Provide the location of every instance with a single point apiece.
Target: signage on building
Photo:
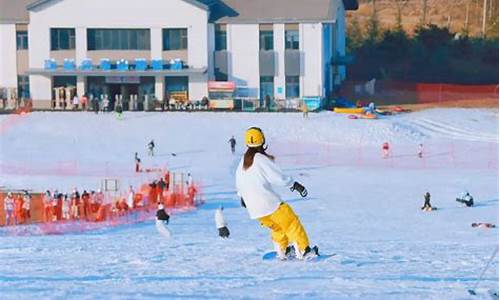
(123, 79)
(221, 85)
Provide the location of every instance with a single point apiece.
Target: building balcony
(122, 67)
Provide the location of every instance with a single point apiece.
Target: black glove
(299, 188)
(243, 203)
(224, 232)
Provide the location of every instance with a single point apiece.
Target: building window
(23, 87)
(22, 40)
(62, 39)
(266, 39)
(292, 87)
(292, 39)
(175, 39)
(220, 37)
(266, 88)
(118, 39)
(219, 76)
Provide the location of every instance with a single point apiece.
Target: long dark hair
(250, 154)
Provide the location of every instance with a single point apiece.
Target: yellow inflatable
(353, 110)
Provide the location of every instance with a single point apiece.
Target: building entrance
(130, 91)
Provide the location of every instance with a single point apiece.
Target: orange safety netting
(95, 212)
(387, 92)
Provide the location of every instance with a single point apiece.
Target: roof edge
(192, 2)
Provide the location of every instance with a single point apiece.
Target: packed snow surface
(360, 206)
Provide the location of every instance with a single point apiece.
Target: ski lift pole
(472, 291)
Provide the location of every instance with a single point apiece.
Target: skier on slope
(232, 143)
(255, 176)
(420, 151)
(385, 150)
(137, 163)
(220, 223)
(151, 148)
(161, 214)
(427, 202)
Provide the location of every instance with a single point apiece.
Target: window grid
(292, 39)
(266, 40)
(175, 39)
(62, 39)
(118, 39)
(22, 40)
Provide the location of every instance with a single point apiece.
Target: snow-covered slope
(362, 207)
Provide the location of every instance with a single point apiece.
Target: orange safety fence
(388, 92)
(89, 214)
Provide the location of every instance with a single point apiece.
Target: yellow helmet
(254, 137)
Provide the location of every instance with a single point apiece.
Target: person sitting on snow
(483, 225)
(255, 176)
(466, 199)
(220, 223)
(427, 202)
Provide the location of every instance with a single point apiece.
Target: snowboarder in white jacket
(255, 176)
(220, 223)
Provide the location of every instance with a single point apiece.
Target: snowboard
(162, 228)
(429, 209)
(274, 256)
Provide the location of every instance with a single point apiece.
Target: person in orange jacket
(85, 206)
(18, 210)
(47, 206)
(167, 180)
(26, 206)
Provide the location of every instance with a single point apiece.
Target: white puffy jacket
(219, 219)
(254, 185)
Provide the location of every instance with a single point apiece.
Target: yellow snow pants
(286, 227)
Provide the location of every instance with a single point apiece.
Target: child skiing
(220, 223)
(255, 176)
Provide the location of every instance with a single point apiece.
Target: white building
(281, 48)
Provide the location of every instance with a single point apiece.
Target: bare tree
(400, 5)
(424, 12)
(483, 27)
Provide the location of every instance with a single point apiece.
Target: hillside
(452, 13)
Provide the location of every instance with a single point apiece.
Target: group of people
(17, 208)
(465, 198)
(72, 206)
(386, 150)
